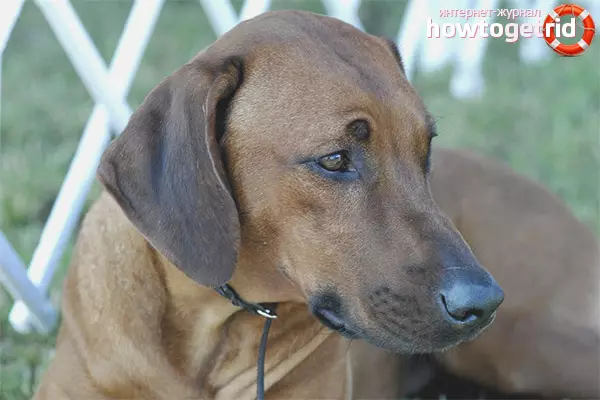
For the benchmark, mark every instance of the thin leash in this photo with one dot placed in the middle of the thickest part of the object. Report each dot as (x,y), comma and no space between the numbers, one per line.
(266,310)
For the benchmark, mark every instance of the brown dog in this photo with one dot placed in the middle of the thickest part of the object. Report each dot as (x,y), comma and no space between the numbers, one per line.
(293,152)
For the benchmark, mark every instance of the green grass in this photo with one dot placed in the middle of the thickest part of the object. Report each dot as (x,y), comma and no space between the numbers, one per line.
(542,120)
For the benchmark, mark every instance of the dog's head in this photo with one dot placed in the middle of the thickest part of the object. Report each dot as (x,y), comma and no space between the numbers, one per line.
(295,144)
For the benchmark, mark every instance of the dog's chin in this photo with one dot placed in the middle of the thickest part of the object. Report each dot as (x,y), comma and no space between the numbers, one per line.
(437,340)
(412,345)
(396,343)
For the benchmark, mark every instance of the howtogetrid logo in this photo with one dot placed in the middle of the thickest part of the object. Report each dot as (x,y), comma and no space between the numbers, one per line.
(553,29)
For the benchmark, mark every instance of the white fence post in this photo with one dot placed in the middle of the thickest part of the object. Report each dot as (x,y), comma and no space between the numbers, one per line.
(13,275)
(73,192)
(10,13)
(411,34)
(221,15)
(533,50)
(467,80)
(252,8)
(438,52)
(15,280)
(11,9)
(346,10)
(84,56)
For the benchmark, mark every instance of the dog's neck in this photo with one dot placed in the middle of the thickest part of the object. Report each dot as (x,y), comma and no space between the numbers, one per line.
(216,343)
(257,280)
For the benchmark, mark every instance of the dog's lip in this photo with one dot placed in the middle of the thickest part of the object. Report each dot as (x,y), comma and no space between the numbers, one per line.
(330,318)
(488,321)
(333,321)
(477,330)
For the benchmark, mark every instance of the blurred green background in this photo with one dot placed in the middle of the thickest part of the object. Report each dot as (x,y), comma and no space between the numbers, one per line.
(543,120)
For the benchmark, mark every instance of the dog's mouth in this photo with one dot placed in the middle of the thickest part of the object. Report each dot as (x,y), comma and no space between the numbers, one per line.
(334,322)
(329,310)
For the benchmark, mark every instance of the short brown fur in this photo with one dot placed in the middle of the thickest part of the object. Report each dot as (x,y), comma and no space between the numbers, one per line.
(212,180)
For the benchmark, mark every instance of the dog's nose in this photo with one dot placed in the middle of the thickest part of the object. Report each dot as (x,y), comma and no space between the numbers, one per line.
(469,301)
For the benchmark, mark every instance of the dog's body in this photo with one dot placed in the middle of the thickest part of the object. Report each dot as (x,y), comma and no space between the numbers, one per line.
(355,234)
(186,349)
(546,340)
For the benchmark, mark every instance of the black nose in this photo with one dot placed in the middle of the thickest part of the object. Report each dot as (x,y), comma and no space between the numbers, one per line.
(469,300)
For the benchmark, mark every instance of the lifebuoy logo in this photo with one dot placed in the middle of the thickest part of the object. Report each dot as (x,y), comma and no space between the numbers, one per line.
(554,30)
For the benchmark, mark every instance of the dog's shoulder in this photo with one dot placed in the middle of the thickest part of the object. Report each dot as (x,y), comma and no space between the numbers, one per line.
(111,261)
(107,237)
(106,221)
(113,295)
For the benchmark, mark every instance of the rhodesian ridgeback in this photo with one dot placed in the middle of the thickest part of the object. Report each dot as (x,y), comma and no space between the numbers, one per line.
(288,164)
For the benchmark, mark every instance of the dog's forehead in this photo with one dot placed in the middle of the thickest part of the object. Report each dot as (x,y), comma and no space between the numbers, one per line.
(305,42)
(316,74)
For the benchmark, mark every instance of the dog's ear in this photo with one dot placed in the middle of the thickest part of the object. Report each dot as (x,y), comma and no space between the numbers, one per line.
(395,52)
(168,175)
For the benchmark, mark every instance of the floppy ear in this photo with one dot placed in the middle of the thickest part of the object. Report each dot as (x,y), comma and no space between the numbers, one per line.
(167,172)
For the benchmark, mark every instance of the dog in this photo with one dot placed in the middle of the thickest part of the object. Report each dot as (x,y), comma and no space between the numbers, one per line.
(289,160)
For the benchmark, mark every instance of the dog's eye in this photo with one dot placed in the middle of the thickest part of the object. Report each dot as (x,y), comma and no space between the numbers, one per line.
(337,166)
(336,162)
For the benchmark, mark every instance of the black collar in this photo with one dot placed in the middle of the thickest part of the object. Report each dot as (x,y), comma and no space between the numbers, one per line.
(264,310)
